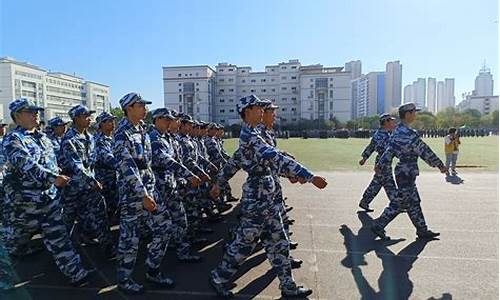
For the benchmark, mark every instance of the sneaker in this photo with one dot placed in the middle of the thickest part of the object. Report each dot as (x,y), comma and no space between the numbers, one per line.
(380,232)
(220,289)
(129,286)
(160,279)
(428,234)
(365,206)
(295,262)
(188,258)
(293,245)
(295,292)
(224,207)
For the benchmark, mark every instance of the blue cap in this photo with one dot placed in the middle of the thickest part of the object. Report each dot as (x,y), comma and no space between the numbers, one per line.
(186,118)
(249,101)
(385,117)
(79,110)
(56,121)
(132,98)
(162,113)
(174,113)
(408,107)
(103,117)
(23,104)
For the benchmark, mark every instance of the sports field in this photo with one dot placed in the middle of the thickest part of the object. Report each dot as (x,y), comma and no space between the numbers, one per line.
(476,154)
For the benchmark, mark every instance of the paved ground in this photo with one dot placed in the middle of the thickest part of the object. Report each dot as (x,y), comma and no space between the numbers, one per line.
(342,260)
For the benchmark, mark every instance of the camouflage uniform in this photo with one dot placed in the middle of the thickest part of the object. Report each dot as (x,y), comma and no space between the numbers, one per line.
(406,145)
(379,143)
(260,219)
(30,173)
(56,141)
(132,148)
(166,169)
(80,198)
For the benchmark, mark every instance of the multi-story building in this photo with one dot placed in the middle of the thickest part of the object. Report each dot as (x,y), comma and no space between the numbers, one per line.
(484,104)
(368,94)
(483,85)
(355,68)
(408,93)
(302,92)
(56,92)
(431,95)
(393,85)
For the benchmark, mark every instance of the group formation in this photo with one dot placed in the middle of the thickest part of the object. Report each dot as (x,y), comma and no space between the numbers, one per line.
(404,143)
(161,182)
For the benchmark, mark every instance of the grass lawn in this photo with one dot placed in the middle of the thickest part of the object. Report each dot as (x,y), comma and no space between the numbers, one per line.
(344,154)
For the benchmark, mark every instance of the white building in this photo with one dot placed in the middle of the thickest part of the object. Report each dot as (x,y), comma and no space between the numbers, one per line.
(355,68)
(431,95)
(393,85)
(449,93)
(483,86)
(302,92)
(56,92)
(484,104)
(440,96)
(368,94)
(419,92)
(408,93)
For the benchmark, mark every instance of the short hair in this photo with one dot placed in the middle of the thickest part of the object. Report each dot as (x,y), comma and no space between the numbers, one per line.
(452,130)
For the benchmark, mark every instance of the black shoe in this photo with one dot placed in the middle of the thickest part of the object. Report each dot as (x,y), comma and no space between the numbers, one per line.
(131,287)
(365,206)
(231,199)
(160,279)
(295,262)
(27,251)
(224,207)
(290,233)
(289,208)
(293,245)
(188,258)
(296,292)
(428,234)
(379,232)
(220,289)
(110,251)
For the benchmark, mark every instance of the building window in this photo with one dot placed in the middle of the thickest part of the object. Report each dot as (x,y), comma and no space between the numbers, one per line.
(222,110)
(230,80)
(283,109)
(263,90)
(243,81)
(272,70)
(242,71)
(253,80)
(311,80)
(243,91)
(331,94)
(252,91)
(294,67)
(190,75)
(262,80)
(180,108)
(294,77)
(222,120)
(331,79)
(221,91)
(221,80)
(294,109)
(231,100)
(294,99)
(230,70)
(283,99)
(197,89)
(283,88)
(273,90)
(221,100)
(197,83)
(331,85)
(180,90)
(197,74)
(311,86)
(231,110)
(331,105)
(179,75)
(180,98)
(283,77)
(221,70)
(283,68)
(231,90)
(294,88)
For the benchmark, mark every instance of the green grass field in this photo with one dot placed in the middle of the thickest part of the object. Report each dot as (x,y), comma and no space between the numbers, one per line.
(344,154)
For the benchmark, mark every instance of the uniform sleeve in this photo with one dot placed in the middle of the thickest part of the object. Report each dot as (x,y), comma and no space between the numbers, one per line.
(285,164)
(127,167)
(232,166)
(75,163)
(369,149)
(425,152)
(21,160)
(389,153)
(163,160)
(104,156)
(188,158)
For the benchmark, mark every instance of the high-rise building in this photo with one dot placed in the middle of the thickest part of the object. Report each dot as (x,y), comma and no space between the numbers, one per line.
(393,81)
(440,102)
(484,104)
(368,94)
(449,92)
(419,92)
(431,95)
(55,91)
(302,92)
(408,93)
(355,68)
(484,83)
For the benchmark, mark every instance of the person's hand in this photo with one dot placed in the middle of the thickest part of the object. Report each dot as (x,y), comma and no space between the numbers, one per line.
(362,161)
(301,180)
(293,179)
(215,192)
(195,181)
(61,181)
(149,203)
(319,182)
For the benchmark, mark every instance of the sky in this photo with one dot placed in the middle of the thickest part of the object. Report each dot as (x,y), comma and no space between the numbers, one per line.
(124,44)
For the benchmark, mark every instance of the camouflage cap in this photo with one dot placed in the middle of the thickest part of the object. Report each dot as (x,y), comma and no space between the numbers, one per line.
(132,98)
(79,110)
(385,117)
(103,117)
(24,104)
(162,113)
(408,107)
(250,101)
(57,121)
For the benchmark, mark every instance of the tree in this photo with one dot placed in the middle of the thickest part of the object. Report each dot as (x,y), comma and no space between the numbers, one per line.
(117,112)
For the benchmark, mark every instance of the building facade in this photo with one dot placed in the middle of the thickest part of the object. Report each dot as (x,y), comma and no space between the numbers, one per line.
(484,104)
(301,92)
(393,85)
(431,95)
(483,85)
(56,92)
(368,94)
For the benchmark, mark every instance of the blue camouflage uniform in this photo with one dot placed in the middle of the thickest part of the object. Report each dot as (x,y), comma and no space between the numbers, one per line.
(406,145)
(81,200)
(30,173)
(379,143)
(260,218)
(56,141)
(167,170)
(132,148)
(105,165)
